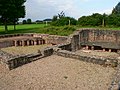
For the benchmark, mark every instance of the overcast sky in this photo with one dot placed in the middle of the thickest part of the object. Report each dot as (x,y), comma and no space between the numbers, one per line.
(42,9)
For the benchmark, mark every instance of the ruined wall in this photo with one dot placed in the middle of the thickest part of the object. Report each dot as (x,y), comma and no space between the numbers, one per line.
(104,36)
(12,62)
(93,59)
(6,44)
(52,39)
(94,37)
(49,39)
(14,35)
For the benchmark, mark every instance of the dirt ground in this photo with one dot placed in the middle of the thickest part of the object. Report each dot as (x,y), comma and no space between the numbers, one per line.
(57,73)
(24,49)
(97,53)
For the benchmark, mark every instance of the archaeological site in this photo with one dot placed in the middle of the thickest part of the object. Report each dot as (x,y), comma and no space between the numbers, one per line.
(88,59)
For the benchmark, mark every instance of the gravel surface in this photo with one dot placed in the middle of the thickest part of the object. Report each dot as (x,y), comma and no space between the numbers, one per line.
(57,73)
(97,53)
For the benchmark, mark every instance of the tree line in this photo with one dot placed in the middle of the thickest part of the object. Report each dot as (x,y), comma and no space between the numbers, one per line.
(95,19)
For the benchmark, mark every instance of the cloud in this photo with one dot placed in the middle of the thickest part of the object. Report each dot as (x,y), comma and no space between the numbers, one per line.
(106,11)
(40,9)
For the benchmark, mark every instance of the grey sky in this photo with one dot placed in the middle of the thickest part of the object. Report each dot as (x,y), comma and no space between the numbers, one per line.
(42,9)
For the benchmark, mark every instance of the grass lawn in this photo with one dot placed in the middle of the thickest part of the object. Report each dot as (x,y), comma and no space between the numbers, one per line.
(27,28)
(42,28)
(38,28)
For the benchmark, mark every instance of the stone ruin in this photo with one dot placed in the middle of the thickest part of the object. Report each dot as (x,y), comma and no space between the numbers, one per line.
(88,39)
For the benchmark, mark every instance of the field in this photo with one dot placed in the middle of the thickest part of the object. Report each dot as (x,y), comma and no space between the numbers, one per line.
(42,28)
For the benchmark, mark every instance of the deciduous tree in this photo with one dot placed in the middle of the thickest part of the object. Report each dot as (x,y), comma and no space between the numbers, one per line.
(11,10)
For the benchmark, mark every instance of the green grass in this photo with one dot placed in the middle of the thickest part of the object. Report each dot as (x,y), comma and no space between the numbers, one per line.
(38,28)
(42,28)
(27,28)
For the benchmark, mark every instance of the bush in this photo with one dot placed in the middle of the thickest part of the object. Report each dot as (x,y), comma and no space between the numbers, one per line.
(64,21)
(69,28)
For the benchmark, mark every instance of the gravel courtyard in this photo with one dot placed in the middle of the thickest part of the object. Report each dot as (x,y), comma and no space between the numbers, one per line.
(56,73)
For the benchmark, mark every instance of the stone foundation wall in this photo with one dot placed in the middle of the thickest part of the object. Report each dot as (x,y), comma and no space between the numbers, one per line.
(93,59)
(47,52)
(66,46)
(109,39)
(14,35)
(5,44)
(97,35)
(52,39)
(22,59)
(35,39)
(12,62)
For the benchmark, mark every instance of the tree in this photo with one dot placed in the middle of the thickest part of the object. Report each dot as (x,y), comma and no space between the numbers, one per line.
(11,10)
(92,20)
(116,10)
(18,10)
(29,21)
(24,22)
(54,18)
(60,15)
(62,20)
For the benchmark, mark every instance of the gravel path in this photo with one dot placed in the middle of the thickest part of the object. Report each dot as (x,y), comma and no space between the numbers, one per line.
(57,73)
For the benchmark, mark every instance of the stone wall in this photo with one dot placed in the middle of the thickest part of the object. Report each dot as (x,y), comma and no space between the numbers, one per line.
(17,61)
(94,37)
(12,62)
(5,44)
(93,59)
(66,46)
(115,84)
(14,35)
(52,39)
(24,40)
(47,51)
